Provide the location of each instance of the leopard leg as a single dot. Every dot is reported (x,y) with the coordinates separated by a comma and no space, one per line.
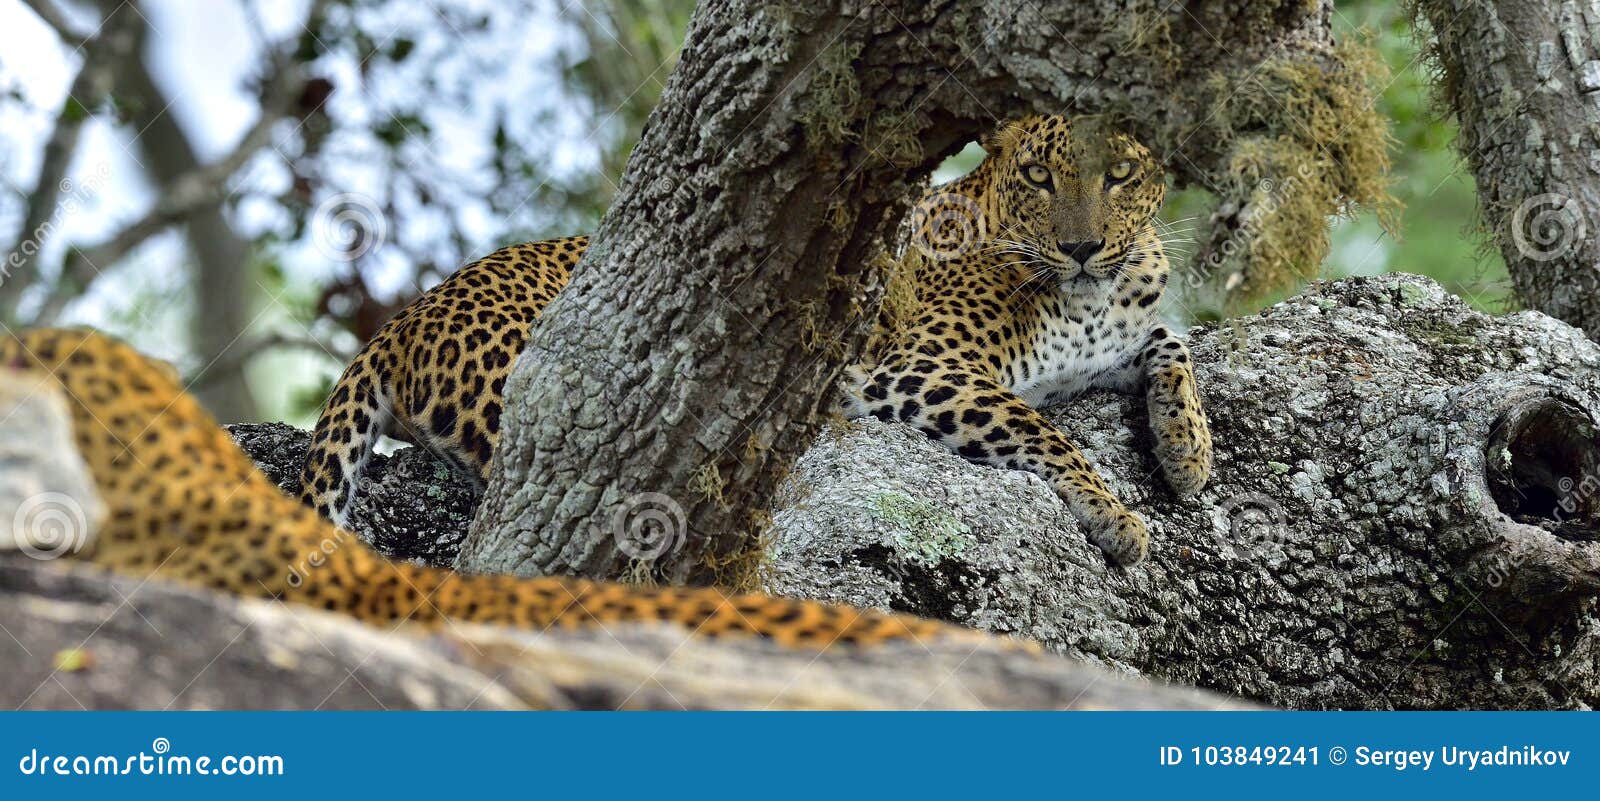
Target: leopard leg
(987,423)
(1182,436)
(357,413)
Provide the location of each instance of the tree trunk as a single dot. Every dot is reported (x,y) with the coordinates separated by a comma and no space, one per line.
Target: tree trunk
(1523,77)
(672,383)
(222,288)
(288,657)
(1404,513)
(113,42)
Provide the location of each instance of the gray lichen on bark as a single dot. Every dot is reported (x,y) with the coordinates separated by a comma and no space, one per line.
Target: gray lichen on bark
(1390,523)
(737,273)
(1353,550)
(1523,79)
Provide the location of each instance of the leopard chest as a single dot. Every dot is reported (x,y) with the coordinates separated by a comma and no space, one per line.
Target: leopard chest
(1069,343)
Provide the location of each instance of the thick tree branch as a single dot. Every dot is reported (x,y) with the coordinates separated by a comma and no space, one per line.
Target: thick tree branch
(51,14)
(1405,512)
(90,88)
(736,273)
(1523,77)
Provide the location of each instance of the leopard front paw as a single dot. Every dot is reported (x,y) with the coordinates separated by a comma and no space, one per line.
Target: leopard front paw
(1183,448)
(1121,534)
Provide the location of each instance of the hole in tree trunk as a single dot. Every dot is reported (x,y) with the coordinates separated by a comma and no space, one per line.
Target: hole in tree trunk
(1544,467)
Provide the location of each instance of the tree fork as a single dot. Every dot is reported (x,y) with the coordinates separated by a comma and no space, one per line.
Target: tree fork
(682,371)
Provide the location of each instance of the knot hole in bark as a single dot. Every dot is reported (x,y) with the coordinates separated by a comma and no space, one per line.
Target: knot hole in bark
(1544,467)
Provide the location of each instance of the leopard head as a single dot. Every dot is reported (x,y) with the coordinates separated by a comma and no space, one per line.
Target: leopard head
(1071,198)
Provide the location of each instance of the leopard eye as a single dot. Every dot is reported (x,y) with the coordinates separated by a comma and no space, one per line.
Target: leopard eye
(1119,172)
(1037,175)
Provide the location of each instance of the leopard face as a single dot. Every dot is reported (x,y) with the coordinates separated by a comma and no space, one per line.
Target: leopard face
(1072,199)
(1060,297)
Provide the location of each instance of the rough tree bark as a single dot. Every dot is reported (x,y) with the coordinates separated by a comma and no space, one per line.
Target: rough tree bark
(78,637)
(735,275)
(248,654)
(1523,77)
(1405,512)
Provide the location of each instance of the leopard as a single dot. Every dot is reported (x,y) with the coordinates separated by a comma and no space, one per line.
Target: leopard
(185,505)
(1055,291)
(1038,276)
(434,375)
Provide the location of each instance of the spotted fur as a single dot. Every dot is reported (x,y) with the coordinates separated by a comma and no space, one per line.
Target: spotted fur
(1011,320)
(433,375)
(1051,290)
(186,505)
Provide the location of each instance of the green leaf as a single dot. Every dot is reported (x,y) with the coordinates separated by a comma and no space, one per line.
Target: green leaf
(74,111)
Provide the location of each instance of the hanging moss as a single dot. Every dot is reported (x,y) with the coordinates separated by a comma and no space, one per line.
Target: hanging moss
(1305,142)
(891,139)
(743,570)
(900,306)
(708,482)
(833,97)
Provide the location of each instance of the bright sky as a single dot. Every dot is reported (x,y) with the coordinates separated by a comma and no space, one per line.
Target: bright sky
(204,53)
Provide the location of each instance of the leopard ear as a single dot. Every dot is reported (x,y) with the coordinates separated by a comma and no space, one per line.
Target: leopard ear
(1003,138)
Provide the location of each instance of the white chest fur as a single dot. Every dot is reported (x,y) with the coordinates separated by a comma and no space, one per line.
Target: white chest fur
(1079,342)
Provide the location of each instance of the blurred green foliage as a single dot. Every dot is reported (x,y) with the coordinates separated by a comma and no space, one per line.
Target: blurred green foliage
(1438,232)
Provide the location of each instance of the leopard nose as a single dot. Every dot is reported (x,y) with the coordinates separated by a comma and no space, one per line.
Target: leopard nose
(1081,252)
